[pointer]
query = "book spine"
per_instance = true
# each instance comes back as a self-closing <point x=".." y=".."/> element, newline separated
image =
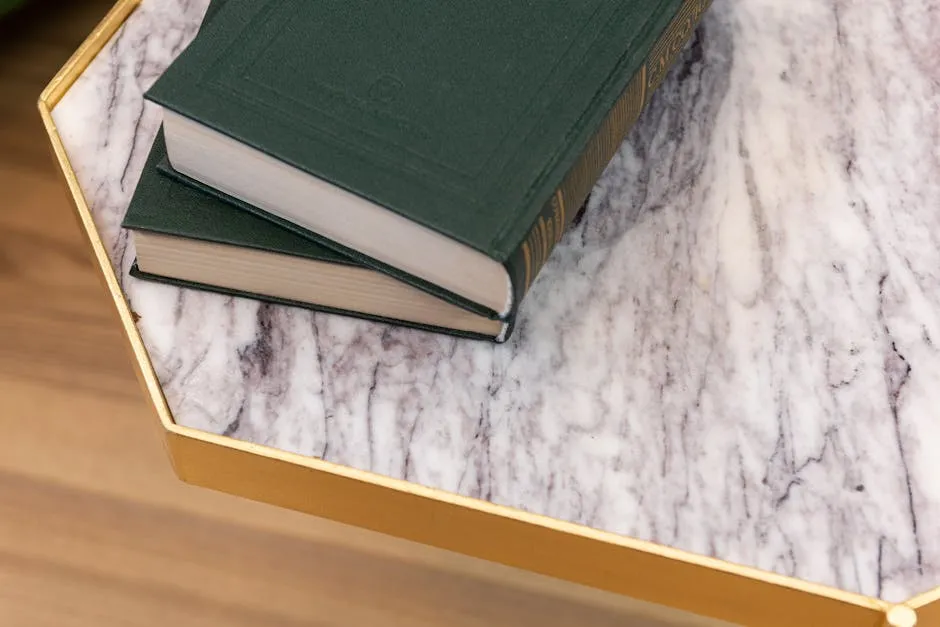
<point x="556" y="215"/>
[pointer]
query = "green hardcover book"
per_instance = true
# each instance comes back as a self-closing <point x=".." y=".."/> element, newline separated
<point x="193" y="238"/>
<point x="448" y="143"/>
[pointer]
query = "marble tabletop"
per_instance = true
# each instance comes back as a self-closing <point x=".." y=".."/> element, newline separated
<point x="736" y="352"/>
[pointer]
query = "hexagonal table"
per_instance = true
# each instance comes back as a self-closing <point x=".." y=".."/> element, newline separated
<point x="721" y="397"/>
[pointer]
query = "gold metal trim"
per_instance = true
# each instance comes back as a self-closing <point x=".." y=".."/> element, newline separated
<point x="578" y="554"/>
<point x="901" y="615"/>
<point x="927" y="608"/>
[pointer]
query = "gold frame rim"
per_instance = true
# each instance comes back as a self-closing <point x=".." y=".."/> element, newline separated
<point x="582" y="555"/>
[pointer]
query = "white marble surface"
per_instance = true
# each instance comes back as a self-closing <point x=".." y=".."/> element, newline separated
<point x="735" y="353"/>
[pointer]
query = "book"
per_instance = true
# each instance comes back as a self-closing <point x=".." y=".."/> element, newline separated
<point x="447" y="143"/>
<point x="192" y="238"/>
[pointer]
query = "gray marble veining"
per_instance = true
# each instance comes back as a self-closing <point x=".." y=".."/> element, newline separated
<point x="734" y="353"/>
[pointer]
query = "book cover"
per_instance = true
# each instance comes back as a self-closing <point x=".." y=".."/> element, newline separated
<point x="487" y="123"/>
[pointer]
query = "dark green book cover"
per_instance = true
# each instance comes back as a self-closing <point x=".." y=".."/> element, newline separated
<point x="487" y="122"/>
<point x="161" y="204"/>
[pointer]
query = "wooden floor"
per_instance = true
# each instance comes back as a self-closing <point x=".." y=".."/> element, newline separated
<point x="94" y="528"/>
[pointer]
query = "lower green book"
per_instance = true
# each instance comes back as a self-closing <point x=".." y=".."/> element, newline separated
<point x="191" y="237"/>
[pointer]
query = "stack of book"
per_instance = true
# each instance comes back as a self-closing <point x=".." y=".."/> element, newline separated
<point x="413" y="162"/>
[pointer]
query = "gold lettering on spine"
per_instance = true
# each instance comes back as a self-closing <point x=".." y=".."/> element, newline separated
<point x="673" y="40"/>
<point x="537" y="247"/>
<point x="559" y="216"/>
<point x="577" y="184"/>
<point x="528" y="264"/>
<point x="544" y="236"/>
<point x="642" y="99"/>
